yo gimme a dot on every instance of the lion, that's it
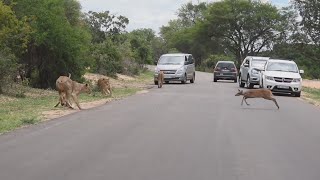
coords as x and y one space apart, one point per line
68 89
105 86
160 79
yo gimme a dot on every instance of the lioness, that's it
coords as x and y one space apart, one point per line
70 89
104 85
160 79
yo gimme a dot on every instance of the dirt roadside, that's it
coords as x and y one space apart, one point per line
311 83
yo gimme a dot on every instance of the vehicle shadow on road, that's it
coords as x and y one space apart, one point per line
260 109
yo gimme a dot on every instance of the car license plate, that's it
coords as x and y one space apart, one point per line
283 87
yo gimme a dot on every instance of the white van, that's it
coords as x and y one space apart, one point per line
176 67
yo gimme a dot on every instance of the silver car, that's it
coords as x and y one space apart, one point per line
250 69
176 67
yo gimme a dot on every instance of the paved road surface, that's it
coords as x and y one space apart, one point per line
180 132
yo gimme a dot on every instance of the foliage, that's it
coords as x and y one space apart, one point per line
245 27
107 58
309 11
58 43
7 67
190 13
105 25
208 64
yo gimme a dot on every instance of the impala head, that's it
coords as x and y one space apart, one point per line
240 92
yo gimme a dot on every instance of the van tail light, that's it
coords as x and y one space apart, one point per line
233 70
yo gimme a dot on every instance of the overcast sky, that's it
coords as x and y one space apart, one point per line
145 13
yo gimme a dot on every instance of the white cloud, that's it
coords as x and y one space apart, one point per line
141 13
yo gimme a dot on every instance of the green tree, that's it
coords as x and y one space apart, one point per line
245 27
14 36
59 42
105 25
190 14
310 13
107 58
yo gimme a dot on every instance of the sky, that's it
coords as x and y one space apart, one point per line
146 13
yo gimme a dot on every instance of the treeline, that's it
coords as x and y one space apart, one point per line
46 39
234 29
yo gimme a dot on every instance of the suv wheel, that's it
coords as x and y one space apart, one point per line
249 85
241 84
297 94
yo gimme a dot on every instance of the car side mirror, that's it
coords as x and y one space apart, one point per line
301 71
246 65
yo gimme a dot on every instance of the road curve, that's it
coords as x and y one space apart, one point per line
180 132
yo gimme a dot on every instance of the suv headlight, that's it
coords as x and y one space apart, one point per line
253 71
296 80
180 70
270 78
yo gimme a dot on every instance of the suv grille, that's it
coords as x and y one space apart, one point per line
169 71
285 80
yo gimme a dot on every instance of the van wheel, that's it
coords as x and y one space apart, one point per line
184 79
241 84
193 78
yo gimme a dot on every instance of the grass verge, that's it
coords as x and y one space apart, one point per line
26 108
312 95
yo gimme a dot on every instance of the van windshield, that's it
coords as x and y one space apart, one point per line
171 60
282 66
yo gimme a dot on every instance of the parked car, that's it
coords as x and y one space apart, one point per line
176 67
250 68
225 70
282 76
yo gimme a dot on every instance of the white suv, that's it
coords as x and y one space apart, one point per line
282 76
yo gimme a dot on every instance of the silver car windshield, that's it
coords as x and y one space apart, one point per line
282 66
171 60
258 63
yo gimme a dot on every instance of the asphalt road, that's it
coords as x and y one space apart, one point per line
180 132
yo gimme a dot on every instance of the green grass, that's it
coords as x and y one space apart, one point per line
312 93
25 106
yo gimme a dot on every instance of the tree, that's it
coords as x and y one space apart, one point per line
107 58
310 13
245 27
14 36
58 43
191 13
104 25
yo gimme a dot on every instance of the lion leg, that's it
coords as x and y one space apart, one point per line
75 99
68 98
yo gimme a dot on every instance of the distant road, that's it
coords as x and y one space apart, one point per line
180 132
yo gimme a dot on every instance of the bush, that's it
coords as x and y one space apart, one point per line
8 68
107 59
